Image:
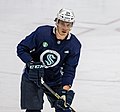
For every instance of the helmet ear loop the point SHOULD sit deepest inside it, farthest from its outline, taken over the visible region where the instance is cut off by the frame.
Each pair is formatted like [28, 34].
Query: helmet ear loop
[56, 21]
[71, 27]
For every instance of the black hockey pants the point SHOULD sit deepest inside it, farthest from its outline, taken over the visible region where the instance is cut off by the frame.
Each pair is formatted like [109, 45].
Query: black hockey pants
[30, 90]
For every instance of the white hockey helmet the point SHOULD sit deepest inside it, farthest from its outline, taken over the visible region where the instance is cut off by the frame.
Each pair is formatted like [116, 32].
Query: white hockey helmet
[66, 15]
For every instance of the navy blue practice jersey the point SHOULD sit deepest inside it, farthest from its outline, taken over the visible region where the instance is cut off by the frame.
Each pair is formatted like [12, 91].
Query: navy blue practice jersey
[60, 57]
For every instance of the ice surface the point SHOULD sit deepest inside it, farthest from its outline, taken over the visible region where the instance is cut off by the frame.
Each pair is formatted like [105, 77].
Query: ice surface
[97, 26]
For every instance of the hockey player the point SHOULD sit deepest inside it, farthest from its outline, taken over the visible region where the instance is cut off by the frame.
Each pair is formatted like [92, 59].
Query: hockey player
[59, 51]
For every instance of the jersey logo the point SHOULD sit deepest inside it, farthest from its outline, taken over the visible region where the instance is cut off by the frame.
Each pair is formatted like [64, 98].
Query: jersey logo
[45, 44]
[50, 58]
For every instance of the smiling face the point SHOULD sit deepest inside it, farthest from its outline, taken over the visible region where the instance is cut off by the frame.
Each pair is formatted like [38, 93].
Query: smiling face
[63, 29]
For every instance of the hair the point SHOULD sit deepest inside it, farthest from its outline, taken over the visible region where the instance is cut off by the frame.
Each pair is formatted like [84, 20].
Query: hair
[57, 20]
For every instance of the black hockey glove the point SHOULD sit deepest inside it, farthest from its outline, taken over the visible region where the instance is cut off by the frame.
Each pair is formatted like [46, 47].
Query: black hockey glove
[66, 99]
[35, 65]
[35, 72]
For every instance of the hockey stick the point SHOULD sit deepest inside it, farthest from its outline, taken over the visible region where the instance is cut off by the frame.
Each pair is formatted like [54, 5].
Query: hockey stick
[55, 94]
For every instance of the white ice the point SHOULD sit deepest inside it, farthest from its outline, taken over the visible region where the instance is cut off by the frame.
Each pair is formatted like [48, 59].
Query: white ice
[97, 26]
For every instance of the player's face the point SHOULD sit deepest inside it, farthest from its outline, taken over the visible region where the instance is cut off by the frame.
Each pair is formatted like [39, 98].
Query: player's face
[64, 27]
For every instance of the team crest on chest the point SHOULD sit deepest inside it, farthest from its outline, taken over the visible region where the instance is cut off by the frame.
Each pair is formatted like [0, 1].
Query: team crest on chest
[50, 58]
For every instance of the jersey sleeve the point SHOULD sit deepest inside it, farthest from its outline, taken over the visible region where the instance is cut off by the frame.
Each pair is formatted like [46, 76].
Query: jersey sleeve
[69, 68]
[26, 46]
